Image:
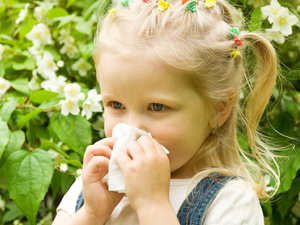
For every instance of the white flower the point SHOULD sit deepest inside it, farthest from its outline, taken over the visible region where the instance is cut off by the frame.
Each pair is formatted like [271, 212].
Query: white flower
[2, 203]
[35, 52]
[79, 172]
[283, 22]
[60, 63]
[69, 106]
[271, 10]
[33, 84]
[22, 14]
[46, 65]
[73, 91]
[63, 167]
[1, 51]
[17, 222]
[91, 104]
[82, 66]
[275, 36]
[68, 40]
[39, 12]
[39, 35]
[53, 154]
[69, 50]
[64, 34]
[4, 85]
[55, 84]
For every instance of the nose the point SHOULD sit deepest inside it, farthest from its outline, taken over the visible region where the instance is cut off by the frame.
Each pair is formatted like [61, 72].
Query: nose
[136, 120]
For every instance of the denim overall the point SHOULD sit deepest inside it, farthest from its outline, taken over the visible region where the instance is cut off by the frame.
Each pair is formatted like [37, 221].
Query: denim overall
[194, 208]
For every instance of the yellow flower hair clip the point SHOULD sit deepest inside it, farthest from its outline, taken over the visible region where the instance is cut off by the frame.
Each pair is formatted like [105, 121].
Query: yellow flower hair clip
[210, 3]
[113, 12]
[234, 53]
[163, 5]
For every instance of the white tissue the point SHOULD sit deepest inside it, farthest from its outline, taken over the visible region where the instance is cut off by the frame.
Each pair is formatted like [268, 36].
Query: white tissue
[125, 134]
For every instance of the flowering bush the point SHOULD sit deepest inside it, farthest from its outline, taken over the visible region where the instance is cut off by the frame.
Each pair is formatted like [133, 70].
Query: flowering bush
[50, 105]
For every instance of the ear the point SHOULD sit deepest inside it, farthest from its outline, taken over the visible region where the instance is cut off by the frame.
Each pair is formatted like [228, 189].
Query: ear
[222, 111]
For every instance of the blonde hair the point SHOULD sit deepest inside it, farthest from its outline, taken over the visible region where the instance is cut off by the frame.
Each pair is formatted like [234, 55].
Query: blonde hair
[197, 43]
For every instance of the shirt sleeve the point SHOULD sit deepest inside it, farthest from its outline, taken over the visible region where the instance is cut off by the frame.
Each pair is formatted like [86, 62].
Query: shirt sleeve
[236, 204]
[69, 200]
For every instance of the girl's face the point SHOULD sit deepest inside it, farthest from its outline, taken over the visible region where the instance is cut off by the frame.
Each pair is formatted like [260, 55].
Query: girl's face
[158, 100]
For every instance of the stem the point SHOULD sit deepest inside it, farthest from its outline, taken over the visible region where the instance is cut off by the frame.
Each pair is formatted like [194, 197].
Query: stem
[27, 146]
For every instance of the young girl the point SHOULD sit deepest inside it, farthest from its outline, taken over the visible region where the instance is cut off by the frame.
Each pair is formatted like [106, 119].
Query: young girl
[175, 69]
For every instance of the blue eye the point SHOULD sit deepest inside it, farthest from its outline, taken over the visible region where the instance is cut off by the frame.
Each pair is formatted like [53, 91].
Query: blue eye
[157, 107]
[117, 105]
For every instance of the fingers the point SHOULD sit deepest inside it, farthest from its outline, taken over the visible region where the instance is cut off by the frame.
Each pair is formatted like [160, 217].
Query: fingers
[100, 148]
[96, 168]
[146, 145]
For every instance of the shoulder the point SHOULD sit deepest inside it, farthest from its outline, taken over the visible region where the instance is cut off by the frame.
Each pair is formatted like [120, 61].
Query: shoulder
[69, 200]
[236, 203]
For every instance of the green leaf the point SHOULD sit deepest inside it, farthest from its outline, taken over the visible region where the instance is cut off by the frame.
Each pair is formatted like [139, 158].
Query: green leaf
[85, 27]
[50, 104]
[4, 136]
[54, 52]
[74, 131]
[66, 182]
[28, 64]
[8, 108]
[50, 145]
[16, 140]
[285, 204]
[21, 85]
[289, 165]
[66, 19]
[21, 122]
[87, 50]
[12, 213]
[26, 28]
[256, 20]
[56, 12]
[28, 176]
[2, 70]
[42, 96]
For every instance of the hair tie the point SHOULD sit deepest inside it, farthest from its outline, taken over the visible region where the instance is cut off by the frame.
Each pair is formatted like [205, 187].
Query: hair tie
[113, 12]
[210, 3]
[234, 34]
[191, 6]
[234, 53]
[124, 3]
[162, 6]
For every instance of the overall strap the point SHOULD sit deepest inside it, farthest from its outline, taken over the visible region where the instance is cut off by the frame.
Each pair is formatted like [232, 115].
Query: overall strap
[79, 202]
[194, 208]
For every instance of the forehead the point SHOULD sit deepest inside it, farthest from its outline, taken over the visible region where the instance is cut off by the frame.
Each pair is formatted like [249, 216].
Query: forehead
[112, 64]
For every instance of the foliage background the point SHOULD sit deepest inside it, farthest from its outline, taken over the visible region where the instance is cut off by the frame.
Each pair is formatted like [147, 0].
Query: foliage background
[32, 181]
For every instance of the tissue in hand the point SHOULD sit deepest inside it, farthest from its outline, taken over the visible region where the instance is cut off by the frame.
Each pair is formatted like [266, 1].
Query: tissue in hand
[124, 134]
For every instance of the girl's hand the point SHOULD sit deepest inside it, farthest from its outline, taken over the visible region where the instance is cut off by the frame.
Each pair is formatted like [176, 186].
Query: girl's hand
[146, 171]
[98, 201]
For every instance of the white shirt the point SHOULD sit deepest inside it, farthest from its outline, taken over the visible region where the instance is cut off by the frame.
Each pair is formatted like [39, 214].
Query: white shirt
[236, 204]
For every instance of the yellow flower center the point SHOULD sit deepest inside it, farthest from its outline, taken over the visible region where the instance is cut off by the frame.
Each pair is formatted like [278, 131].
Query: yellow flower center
[275, 11]
[1, 85]
[69, 104]
[49, 63]
[72, 92]
[37, 35]
[282, 21]
[82, 66]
